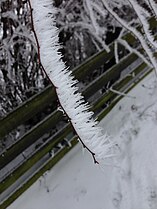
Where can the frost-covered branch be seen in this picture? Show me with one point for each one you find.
(121, 93)
(153, 6)
(132, 50)
(143, 17)
(91, 13)
(72, 102)
(116, 51)
(136, 33)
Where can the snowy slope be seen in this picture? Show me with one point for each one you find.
(128, 181)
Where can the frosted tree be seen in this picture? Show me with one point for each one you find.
(142, 13)
(82, 24)
(20, 74)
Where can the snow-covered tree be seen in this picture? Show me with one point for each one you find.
(82, 24)
(142, 11)
(20, 74)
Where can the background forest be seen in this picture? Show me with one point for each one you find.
(85, 27)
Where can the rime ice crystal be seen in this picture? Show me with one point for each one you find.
(71, 101)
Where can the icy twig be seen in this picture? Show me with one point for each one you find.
(142, 15)
(116, 51)
(71, 102)
(121, 93)
(153, 5)
(135, 51)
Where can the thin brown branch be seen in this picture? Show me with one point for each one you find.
(39, 58)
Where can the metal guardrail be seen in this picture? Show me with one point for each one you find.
(139, 73)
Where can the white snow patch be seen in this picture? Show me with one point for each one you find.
(128, 181)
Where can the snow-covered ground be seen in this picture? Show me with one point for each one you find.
(127, 181)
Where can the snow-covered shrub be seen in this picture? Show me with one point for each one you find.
(20, 74)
